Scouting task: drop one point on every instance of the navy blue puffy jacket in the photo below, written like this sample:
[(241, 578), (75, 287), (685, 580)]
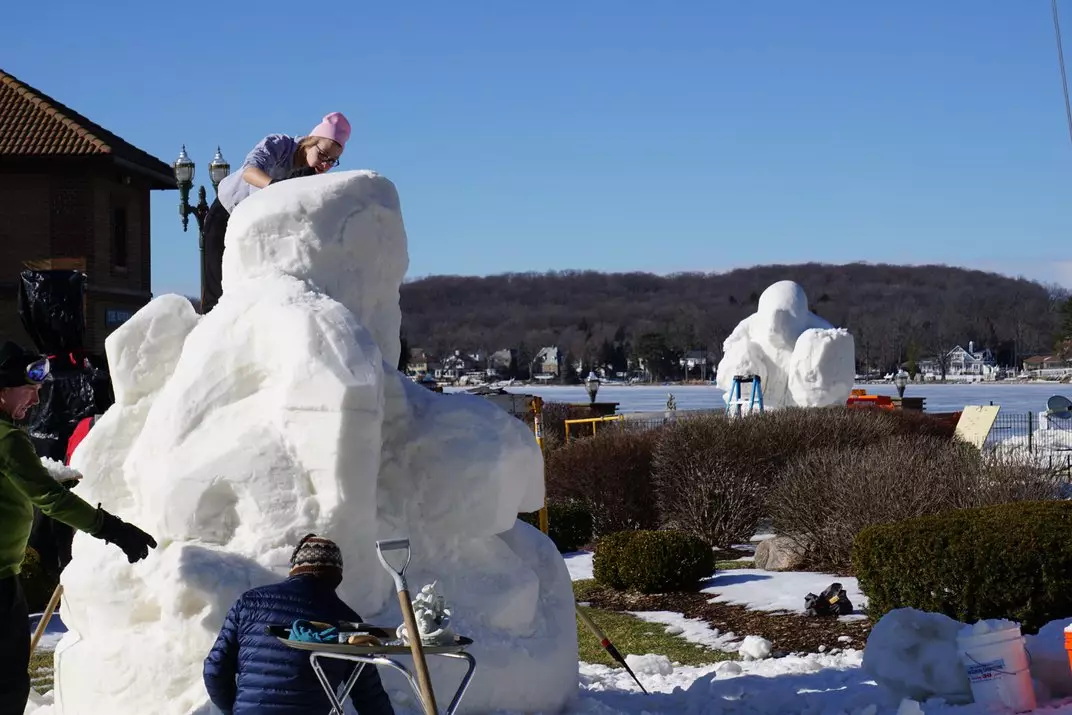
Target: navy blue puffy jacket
[(251, 673)]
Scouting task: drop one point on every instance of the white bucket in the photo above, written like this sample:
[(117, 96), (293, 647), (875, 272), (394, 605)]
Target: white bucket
[(997, 667)]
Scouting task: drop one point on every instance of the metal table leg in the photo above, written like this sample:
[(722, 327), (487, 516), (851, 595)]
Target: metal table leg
[(363, 660)]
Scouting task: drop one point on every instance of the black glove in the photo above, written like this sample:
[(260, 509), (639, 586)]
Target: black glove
[(134, 542)]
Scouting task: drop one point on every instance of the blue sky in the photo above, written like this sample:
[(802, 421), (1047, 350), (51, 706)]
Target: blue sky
[(700, 135)]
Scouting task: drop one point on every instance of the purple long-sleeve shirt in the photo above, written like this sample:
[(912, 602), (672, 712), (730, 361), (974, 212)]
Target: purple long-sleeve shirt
[(274, 155)]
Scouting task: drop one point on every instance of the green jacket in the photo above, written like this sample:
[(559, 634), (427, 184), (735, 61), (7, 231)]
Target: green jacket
[(25, 483)]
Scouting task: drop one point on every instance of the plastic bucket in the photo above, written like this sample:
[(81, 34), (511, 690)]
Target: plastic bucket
[(997, 668), (1068, 647)]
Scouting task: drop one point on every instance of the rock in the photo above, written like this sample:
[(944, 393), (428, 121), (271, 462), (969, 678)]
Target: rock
[(778, 554)]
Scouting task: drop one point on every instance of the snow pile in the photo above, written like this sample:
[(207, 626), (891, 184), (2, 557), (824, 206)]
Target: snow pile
[(800, 358), (60, 471), (755, 648), (913, 655), (982, 628), (649, 664), (279, 414)]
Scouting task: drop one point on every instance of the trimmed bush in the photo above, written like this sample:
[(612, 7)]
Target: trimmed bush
[(611, 474), (37, 583), (1006, 561), (711, 475), (652, 561), (825, 498), (569, 524)]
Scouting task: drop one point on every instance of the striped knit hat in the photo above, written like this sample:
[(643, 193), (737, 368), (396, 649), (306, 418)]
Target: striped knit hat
[(315, 554)]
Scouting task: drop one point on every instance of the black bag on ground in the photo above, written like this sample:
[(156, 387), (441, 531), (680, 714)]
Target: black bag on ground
[(831, 602)]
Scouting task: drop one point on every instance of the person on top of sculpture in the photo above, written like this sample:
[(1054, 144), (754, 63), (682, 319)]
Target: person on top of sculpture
[(276, 157), (25, 483), (249, 672)]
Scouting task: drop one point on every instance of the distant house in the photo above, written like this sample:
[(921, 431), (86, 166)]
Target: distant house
[(420, 363), (699, 360), (1042, 366), (548, 362), (970, 362), (453, 367)]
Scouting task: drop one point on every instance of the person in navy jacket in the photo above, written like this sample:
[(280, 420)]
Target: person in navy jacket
[(249, 672)]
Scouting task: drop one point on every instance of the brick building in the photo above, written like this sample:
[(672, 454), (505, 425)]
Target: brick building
[(73, 196)]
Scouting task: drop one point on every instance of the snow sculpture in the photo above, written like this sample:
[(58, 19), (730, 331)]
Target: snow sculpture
[(801, 359), (279, 414), (432, 616)]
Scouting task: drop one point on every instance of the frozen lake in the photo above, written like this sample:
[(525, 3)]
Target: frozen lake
[(940, 398)]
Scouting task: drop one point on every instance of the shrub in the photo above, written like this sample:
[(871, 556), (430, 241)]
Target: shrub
[(652, 561), (713, 475), (1006, 561), (569, 524), (611, 474), (37, 583), (825, 497), (710, 477)]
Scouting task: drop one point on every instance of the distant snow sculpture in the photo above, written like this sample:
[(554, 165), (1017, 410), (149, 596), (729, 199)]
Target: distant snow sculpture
[(801, 359)]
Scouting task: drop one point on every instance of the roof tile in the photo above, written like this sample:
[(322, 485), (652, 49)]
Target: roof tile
[(34, 124)]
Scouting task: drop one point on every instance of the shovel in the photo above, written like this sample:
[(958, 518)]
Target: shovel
[(414, 635)]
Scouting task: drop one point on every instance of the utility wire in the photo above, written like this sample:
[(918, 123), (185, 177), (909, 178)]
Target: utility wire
[(1061, 61)]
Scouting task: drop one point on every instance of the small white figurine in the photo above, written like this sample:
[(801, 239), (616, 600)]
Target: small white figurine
[(432, 616)]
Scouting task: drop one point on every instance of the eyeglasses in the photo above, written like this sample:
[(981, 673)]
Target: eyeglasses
[(326, 158), (38, 371)]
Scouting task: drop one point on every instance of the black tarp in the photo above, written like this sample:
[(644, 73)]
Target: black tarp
[(52, 310)]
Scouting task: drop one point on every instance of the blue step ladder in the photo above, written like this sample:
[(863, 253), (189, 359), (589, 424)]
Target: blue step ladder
[(736, 402)]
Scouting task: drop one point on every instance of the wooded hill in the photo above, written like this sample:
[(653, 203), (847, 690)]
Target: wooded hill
[(895, 313)]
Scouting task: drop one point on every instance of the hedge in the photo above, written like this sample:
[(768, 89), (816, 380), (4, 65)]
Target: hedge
[(569, 524), (1009, 561), (652, 561), (705, 486), (611, 474)]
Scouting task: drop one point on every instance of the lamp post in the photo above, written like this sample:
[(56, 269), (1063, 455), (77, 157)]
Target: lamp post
[(900, 381), (218, 169), (591, 384)]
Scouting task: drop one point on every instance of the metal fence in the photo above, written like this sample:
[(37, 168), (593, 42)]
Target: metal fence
[(1029, 432)]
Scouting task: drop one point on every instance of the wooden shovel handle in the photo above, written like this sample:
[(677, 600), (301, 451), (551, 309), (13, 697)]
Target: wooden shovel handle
[(46, 617), (415, 645)]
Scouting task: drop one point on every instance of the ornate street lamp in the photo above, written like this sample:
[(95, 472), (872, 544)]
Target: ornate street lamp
[(218, 169), (591, 384), (900, 381)]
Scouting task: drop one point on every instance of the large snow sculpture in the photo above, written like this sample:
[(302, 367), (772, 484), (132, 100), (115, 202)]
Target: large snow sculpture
[(801, 359), (281, 413)]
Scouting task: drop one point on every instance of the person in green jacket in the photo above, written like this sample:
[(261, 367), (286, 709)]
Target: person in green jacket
[(25, 483)]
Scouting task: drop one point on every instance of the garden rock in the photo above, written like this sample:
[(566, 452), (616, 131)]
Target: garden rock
[(779, 553)]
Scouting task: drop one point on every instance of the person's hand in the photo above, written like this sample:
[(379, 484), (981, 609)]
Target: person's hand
[(134, 542)]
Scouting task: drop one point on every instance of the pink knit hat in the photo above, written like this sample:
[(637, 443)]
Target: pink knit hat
[(334, 127)]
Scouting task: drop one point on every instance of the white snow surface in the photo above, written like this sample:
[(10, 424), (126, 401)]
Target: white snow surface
[(281, 414), (778, 590), (801, 359), (693, 630)]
